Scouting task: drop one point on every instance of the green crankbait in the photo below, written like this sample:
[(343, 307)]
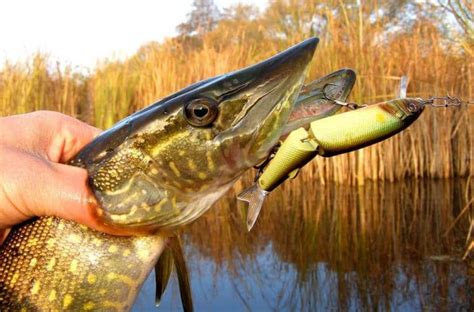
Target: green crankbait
[(327, 137)]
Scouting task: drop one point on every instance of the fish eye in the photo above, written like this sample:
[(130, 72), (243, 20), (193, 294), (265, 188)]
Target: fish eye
[(201, 112)]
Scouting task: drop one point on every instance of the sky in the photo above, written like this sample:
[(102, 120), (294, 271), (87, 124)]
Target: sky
[(79, 33)]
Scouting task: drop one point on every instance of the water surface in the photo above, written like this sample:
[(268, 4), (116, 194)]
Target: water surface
[(385, 246)]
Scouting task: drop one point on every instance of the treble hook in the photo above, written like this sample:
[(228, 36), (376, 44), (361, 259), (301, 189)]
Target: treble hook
[(349, 105)]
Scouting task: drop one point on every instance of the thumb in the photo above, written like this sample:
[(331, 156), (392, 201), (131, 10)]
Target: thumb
[(46, 189), (64, 194)]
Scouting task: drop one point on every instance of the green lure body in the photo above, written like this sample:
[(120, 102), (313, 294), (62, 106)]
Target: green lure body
[(327, 137)]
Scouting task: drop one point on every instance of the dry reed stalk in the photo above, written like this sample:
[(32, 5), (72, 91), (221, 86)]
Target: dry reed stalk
[(35, 85)]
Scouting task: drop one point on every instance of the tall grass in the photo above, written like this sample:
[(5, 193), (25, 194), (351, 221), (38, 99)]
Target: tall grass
[(36, 85), (438, 145)]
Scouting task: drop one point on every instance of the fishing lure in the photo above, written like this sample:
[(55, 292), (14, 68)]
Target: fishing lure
[(328, 137)]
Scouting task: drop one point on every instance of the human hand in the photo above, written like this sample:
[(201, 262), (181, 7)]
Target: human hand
[(34, 180)]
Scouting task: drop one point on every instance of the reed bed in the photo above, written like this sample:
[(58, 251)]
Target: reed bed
[(366, 233), (438, 145), (36, 84)]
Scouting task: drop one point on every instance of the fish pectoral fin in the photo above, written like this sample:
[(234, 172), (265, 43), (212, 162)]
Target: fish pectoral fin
[(182, 273), (163, 268), (173, 257), (254, 196)]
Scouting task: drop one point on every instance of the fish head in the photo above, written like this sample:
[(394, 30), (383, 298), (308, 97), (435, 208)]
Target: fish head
[(166, 165), (252, 121)]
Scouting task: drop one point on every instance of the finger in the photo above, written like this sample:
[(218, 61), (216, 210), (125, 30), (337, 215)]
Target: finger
[(52, 190), (78, 202), (44, 189), (71, 137), (52, 135), (68, 196)]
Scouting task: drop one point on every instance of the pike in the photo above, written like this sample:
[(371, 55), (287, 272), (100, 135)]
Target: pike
[(151, 173), (315, 101), (328, 137)]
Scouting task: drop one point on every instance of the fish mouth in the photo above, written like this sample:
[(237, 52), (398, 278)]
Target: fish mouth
[(270, 90)]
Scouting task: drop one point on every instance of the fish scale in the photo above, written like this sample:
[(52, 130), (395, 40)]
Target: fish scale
[(111, 268)]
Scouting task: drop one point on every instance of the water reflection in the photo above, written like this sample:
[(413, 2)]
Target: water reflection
[(380, 246)]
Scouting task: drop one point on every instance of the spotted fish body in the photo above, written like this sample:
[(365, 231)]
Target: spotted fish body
[(157, 170), (53, 264)]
